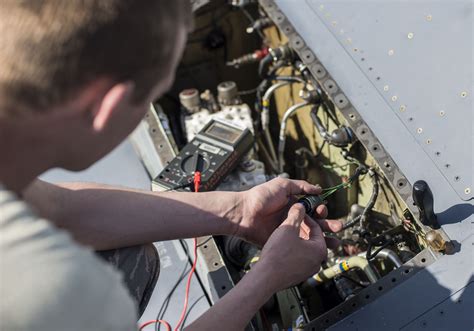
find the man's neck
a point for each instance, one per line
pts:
(22, 156)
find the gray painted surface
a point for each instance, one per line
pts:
(122, 167)
(427, 75)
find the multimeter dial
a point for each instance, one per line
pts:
(196, 162)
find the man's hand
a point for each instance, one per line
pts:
(291, 256)
(286, 259)
(265, 206)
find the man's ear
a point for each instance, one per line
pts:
(115, 99)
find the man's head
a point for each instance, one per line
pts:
(83, 72)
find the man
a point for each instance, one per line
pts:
(76, 77)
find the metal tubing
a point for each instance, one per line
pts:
(346, 265)
(282, 136)
(387, 254)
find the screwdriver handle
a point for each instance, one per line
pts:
(310, 203)
(424, 200)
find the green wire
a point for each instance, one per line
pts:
(331, 190)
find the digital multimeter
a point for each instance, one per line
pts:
(214, 152)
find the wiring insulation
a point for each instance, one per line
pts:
(166, 324)
(188, 286)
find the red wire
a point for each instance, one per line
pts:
(188, 285)
(166, 324)
(197, 183)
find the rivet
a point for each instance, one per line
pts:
(328, 15)
(467, 190)
(394, 98)
(403, 108)
(349, 40)
(355, 49)
(457, 178)
(391, 52)
(463, 94)
(334, 23)
(341, 31)
(321, 7)
(385, 88)
(429, 18)
(428, 141)
(441, 113)
(419, 130)
(447, 165)
(410, 35)
(438, 153)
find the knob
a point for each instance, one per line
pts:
(423, 198)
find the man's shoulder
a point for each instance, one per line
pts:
(46, 275)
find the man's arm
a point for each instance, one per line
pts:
(110, 217)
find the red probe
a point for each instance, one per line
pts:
(197, 181)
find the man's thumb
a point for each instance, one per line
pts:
(295, 216)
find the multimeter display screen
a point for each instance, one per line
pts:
(223, 132)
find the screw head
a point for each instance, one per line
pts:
(467, 190)
(410, 35)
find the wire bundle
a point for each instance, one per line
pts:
(333, 189)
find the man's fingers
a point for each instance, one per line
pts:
(304, 231)
(315, 231)
(321, 212)
(330, 225)
(297, 187)
(295, 216)
(332, 243)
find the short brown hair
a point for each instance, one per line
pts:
(50, 48)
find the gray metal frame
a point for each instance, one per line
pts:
(432, 280)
